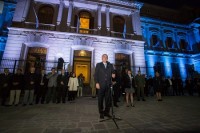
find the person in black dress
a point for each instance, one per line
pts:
(157, 83)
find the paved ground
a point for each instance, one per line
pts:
(174, 114)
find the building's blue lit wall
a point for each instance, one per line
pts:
(174, 61)
(5, 21)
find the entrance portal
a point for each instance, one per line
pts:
(82, 64)
(36, 58)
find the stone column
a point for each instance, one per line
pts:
(60, 12)
(162, 37)
(69, 16)
(26, 9)
(136, 23)
(176, 44)
(108, 20)
(99, 18)
(133, 24)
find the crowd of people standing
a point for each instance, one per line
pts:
(39, 88)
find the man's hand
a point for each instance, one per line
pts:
(97, 86)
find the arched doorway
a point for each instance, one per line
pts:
(36, 58)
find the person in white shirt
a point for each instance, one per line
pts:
(73, 87)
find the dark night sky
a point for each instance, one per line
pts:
(175, 4)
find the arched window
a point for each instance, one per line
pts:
(169, 42)
(45, 14)
(84, 21)
(118, 24)
(154, 40)
(183, 44)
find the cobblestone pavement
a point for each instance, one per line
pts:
(173, 114)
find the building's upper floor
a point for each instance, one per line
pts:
(115, 18)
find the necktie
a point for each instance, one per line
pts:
(105, 65)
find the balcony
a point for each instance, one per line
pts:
(125, 36)
(83, 31)
(31, 25)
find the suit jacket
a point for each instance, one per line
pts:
(30, 77)
(103, 75)
(128, 83)
(5, 79)
(62, 78)
(17, 78)
(52, 80)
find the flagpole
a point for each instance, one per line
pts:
(124, 31)
(78, 24)
(36, 18)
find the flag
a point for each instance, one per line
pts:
(124, 31)
(1, 7)
(78, 25)
(36, 18)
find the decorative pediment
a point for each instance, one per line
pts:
(83, 40)
(121, 44)
(38, 37)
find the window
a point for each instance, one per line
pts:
(118, 24)
(45, 14)
(169, 42)
(154, 40)
(85, 22)
(183, 44)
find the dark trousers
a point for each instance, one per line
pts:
(41, 93)
(104, 93)
(71, 95)
(4, 95)
(115, 94)
(140, 90)
(51, 94)
(61, 94)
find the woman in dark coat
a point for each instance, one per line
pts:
(129, 84)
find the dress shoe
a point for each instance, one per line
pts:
(107, 115)
(101, 116)
(143, 100)
(132, 105)
(138, 99)
(116, 105)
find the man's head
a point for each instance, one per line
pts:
(139, 72)
(53, 70)
(63, 71)
(6, 70)
(32, 69)
(19, 71)
(157, 74)
(104, 58)
(43, 71)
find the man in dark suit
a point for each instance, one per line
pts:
(62, 82)
(5, 82)
(41, 87)
(103, 77)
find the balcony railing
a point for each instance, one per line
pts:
(32, 25)
(126, 36)
(83, 31)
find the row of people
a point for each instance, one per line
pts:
(44, 88)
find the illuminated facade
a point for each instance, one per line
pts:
(7, 9)
(81, 31)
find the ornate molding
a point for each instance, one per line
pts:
(83, 40)
(134, 4)
(121, 44)
(37, 37)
